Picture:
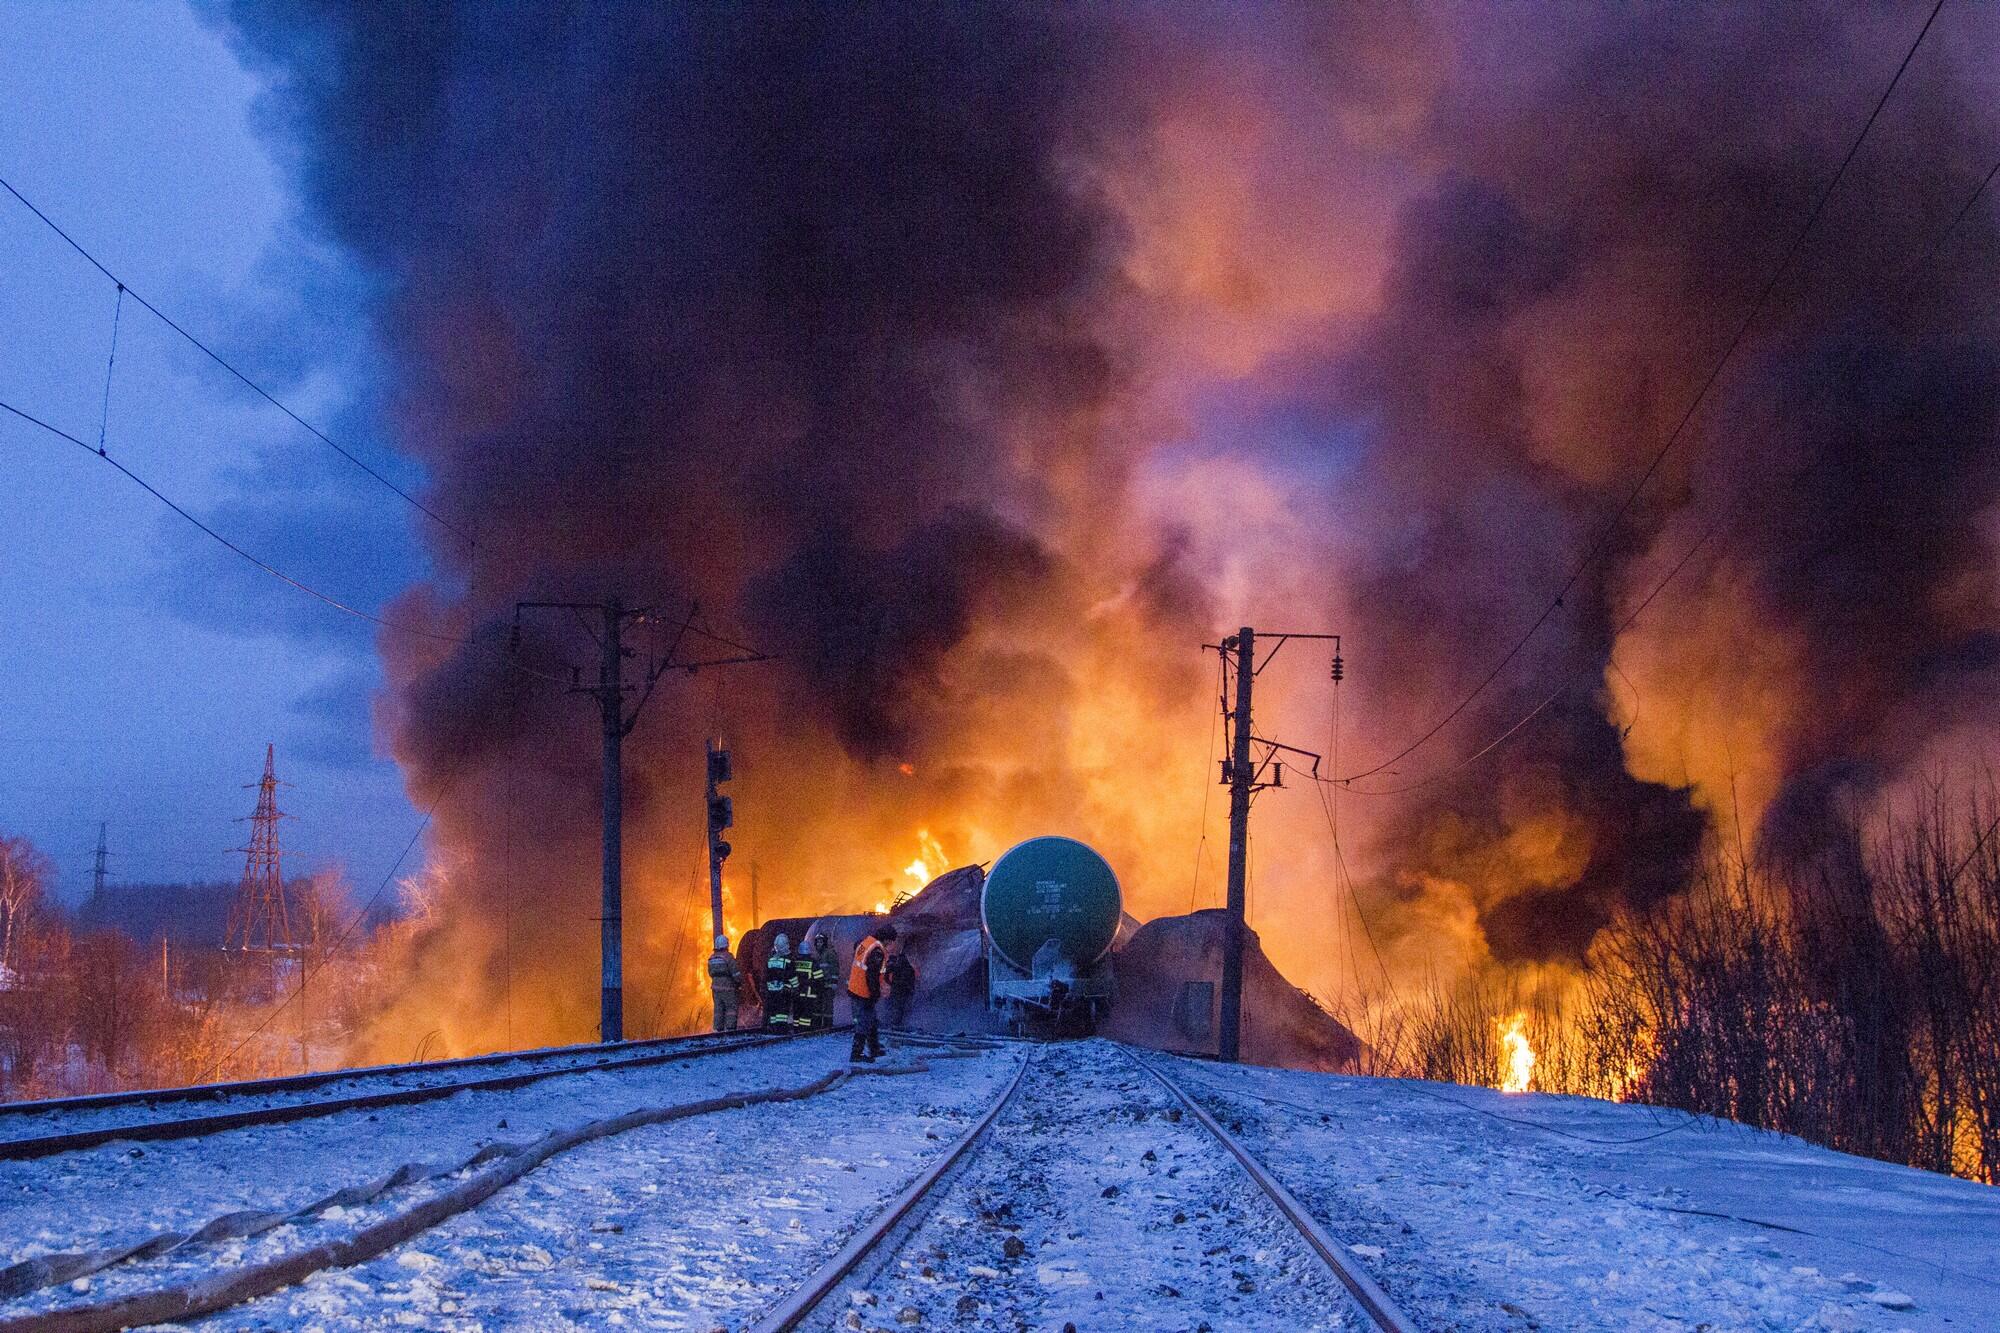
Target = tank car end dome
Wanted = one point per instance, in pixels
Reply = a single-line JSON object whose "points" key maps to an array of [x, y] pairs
{"points": [[1051, 889]]}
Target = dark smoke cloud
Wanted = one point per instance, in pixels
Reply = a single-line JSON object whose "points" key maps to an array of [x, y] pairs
{"points": [[833, 315], [1552, 304], [874, 623], [695, 296], [788, 308]]}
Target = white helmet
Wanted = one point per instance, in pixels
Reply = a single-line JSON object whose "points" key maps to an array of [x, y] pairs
{"points": [[722, 941]]}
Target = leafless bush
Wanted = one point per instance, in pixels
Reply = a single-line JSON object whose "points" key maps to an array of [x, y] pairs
{"points": [[1848, 993]]}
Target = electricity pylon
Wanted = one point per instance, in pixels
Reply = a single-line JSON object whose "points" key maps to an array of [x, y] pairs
{"points": [[100, 868], [260, 919]]}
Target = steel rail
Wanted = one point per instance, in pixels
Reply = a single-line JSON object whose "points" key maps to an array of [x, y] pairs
{"points": [[229, 1287], [195, 1126], [827, 1279], [1374, 1302], [96, 1101]]}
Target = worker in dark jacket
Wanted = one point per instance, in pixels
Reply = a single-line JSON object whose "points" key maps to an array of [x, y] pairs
{"points": [[864, 992], [899, 978], [827, 964], [781, 986], [725, 978], [811, 980]]}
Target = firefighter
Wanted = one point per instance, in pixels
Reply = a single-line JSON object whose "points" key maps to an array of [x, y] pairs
{"points": [[826, 963], [725, 978], [781, 986], [899, 981], [812, 980], [864, 991]]}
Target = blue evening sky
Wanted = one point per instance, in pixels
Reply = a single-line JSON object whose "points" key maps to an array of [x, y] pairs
{"points": [[143, 667]]}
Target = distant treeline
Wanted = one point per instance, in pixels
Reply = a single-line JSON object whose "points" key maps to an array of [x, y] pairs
{"points": [[190, 914], [135, 989]]}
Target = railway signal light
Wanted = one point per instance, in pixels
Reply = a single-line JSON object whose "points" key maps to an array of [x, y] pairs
{"points": [[721, 810]]}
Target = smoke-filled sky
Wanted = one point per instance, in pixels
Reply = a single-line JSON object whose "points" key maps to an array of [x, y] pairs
{"points": [[983, 361]]}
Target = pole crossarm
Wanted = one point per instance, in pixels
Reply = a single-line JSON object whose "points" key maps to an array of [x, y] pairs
{"points": [[1273, 751]]}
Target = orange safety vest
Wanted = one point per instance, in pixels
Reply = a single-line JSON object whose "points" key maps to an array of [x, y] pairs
{"points": [[857, 975]]}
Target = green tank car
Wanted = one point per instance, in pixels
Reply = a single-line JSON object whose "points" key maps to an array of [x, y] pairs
{"points": [[1050, 910]]}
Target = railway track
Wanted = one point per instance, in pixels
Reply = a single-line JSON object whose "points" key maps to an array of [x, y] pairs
{"points": [[893, 1220], [959, 1198], [868, 1254], [241, 1256], [299, 1097], [1368, 1296]]}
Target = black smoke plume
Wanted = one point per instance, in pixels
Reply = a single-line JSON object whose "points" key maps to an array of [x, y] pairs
{"points": [[875, 327], [1553, 303]]}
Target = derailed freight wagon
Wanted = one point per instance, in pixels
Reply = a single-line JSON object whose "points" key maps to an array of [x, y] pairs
{"points": [[1050, 910]]}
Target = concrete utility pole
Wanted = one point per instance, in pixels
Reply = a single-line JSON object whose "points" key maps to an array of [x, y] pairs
{"points": [[1245, 778], [1241, 777], [612, 616], [611, 914]]}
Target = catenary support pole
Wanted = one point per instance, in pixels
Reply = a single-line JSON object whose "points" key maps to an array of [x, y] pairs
{"points": [[617, 721], [1229, 1027], [611, 695]]}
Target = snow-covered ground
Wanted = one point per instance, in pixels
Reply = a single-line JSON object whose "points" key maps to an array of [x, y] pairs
{"points": [[122, 1192], [1646, 1220], [1092, 1203], [27, 1120], [699, 1224]]}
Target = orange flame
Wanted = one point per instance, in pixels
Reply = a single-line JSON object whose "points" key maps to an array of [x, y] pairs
{"points": [[1517, 1057], [931, 860]]}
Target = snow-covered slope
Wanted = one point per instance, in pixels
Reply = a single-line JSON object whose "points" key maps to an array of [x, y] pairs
{"points": [[1479, 1210]]}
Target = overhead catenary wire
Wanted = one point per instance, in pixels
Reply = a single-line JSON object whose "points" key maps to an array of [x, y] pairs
{"points": [[298, 584], [1609, 530], [125, 289], [110, 364], [1344, 879]]}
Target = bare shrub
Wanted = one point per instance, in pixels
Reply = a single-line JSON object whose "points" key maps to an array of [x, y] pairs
{"points": [[1845, 988]]}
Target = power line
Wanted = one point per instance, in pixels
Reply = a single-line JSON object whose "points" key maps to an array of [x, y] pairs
{"points": [[268, 568], [153, 491], [1611, 526], [1726, 520], [1338, 784], [125, 290]]}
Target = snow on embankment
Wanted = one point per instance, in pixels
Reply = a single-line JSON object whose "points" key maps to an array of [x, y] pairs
{"points": [[1478, 1210]]}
